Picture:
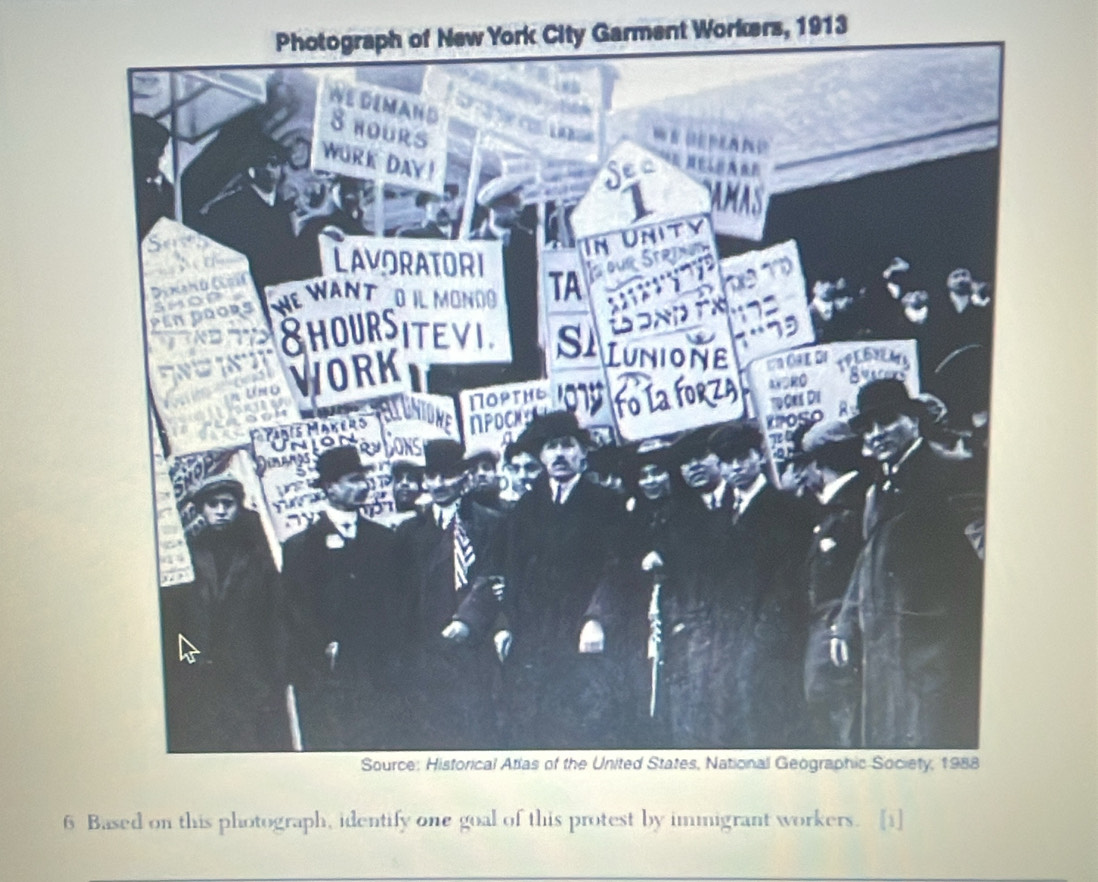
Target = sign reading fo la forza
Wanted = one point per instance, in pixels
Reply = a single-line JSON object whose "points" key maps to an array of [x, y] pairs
{"points": [[651, 267]]}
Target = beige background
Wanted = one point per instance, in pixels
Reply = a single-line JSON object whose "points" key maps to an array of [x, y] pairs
{"points": [[81, 722]]}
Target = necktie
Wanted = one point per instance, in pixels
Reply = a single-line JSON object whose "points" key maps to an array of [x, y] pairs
{"points": [[559, 499], [464, 555]]}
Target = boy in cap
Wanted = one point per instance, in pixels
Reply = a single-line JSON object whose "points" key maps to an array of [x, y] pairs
{"points": [[226, 696], [340, 583]]}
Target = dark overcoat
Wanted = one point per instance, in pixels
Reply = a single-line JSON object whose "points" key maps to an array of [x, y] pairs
{"points": [[448, 687], [915, 601], [228, 695], [342, 592]]}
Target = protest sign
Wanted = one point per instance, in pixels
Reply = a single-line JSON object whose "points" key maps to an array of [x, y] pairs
{"points": [[339, 339], [546, 108], [173, 558], [821, 383], [767, 304], [451, 293], [411, 419], [212, 367], [650, 264], [576, 378], [286, 456], [367, 131], [734, 163], [494, 416]]}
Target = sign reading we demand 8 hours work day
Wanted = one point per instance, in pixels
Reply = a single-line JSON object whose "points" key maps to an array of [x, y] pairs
{"points": [[646, 246]]}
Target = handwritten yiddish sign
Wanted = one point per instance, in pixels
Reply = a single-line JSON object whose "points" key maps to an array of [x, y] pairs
{"points": [[547, 108], [576, 378], [367, 131], [767, 305], [821, 383], [493, 416], [410, 420], [734, 164], [286, 456], [337, 340], [212, 366], [173, 558], [651, 267], [451, 293]]}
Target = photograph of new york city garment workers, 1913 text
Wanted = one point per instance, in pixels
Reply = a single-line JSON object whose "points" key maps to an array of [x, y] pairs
{"points": [[534, 405]]}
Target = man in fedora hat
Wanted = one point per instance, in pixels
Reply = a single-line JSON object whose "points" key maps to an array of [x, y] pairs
{"points": [[915, 597], [227, 695], [341, 601], [441, 551], [561, 680]]}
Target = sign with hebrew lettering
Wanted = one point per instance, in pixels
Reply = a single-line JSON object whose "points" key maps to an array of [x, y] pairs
{"points": [[285, 457], [213, 371], [654, 285], [767, 303]]}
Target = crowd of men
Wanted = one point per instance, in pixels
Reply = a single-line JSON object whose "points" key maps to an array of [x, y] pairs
{"points": [[667, 594]]}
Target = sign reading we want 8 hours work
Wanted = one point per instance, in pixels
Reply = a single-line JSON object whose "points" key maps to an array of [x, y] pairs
{"points": [[650, 261]]}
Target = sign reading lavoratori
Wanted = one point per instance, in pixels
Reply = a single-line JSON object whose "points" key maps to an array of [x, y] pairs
{"points": [[451, 293]]}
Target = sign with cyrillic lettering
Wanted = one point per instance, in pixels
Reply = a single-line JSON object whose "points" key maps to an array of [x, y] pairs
{"points": [[494, 416]]}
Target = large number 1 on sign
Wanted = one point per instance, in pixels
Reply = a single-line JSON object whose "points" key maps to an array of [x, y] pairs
{"points": [[639, 211]]}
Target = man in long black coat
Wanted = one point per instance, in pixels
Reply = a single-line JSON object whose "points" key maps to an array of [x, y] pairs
{"points": [[563, 678], [340, 581], [448, 683], [226, 695], [915, 597]]}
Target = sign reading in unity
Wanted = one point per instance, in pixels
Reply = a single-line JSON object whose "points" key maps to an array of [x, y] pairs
{"points": [[651, 266], [213, 370]]}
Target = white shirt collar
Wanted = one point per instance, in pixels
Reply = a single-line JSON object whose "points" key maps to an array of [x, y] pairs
{"points": [[713, 498], [344, 521], [444, 515], [744, 497], [566, 488]]}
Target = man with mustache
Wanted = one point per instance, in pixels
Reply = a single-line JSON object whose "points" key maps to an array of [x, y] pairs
{"points": [[562, 677], [340, 581], [915, 596]]}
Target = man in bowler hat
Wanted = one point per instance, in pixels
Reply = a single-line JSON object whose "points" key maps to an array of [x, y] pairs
{"points": [[447, 677], [340, 581]]}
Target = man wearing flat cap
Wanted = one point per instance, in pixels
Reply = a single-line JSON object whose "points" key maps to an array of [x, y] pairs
{"points": [[340, 582], [561, 684], [915, 597], [447, 677], [831, 454], [763, 611], [227, 695]]}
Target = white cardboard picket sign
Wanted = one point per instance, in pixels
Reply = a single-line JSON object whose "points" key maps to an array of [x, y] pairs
{"points": [[733, 162], [213, 371], [452, 293], [365, 131], [286, 457], [339, 338], [411, 419], [493, 416], [576, 378], [816, 383], [547, 108], [767, 301], [650, 264]]}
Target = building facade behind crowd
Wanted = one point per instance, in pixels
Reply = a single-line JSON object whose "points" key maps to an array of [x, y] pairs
{"points": [[566, 592]]}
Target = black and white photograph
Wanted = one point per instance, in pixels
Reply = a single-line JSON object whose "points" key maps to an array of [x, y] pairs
{"points": [[602, 403]]}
